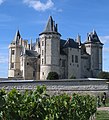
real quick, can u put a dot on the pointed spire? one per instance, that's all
(31, 44)
(94, 32)
(78, 40)
(92, 37)
(56, 28)
(49, 27)
(17, 37)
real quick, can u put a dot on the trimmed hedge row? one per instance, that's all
(37, 105)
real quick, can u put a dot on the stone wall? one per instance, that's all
(60, 86)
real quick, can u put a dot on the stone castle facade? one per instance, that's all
(50, 53)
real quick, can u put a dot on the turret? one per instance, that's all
(94, 49)
(14, 56)
(78, 40)
(50, 49)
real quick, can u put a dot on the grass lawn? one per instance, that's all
(102, 115)
(107, 102)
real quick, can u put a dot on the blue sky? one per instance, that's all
(72, 16)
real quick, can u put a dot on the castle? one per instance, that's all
(50, 53)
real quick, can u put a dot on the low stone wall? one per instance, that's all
(59, 86)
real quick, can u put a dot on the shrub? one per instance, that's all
(103, 75)
(52, 76)
(38, 105)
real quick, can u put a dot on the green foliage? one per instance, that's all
(52, 76)
(103, 75)
(37, 105)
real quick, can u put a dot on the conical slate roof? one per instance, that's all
(17, 36)
(93, 38)
(51, 27)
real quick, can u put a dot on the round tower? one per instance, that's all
(94, 49)
(50, 49)
(14, 57)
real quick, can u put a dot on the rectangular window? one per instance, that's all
(72, 58)
(12, 65)
(76, 59)
(13, 52)
(42, 61)
(42, 52)
(42, 43)
(42, 73)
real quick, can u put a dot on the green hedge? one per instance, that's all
(37, 105)
(52, 76)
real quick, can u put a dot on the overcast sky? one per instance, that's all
(72, 17)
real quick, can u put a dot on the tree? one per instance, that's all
(52, 76)
(103, 75)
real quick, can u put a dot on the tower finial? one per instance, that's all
(94, 32)
(78, 40)
(31, 44)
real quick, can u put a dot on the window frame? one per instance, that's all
(12, 65)
(76, 59)
(13, 52)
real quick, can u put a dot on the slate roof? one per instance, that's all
(17, 36)
(31, 53)
(70, 43)
(93, 38)
(62, 42)
(51, 27)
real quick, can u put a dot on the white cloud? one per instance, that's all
(38, 5)
(57, 10)
(60, 10)
(1, 1)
